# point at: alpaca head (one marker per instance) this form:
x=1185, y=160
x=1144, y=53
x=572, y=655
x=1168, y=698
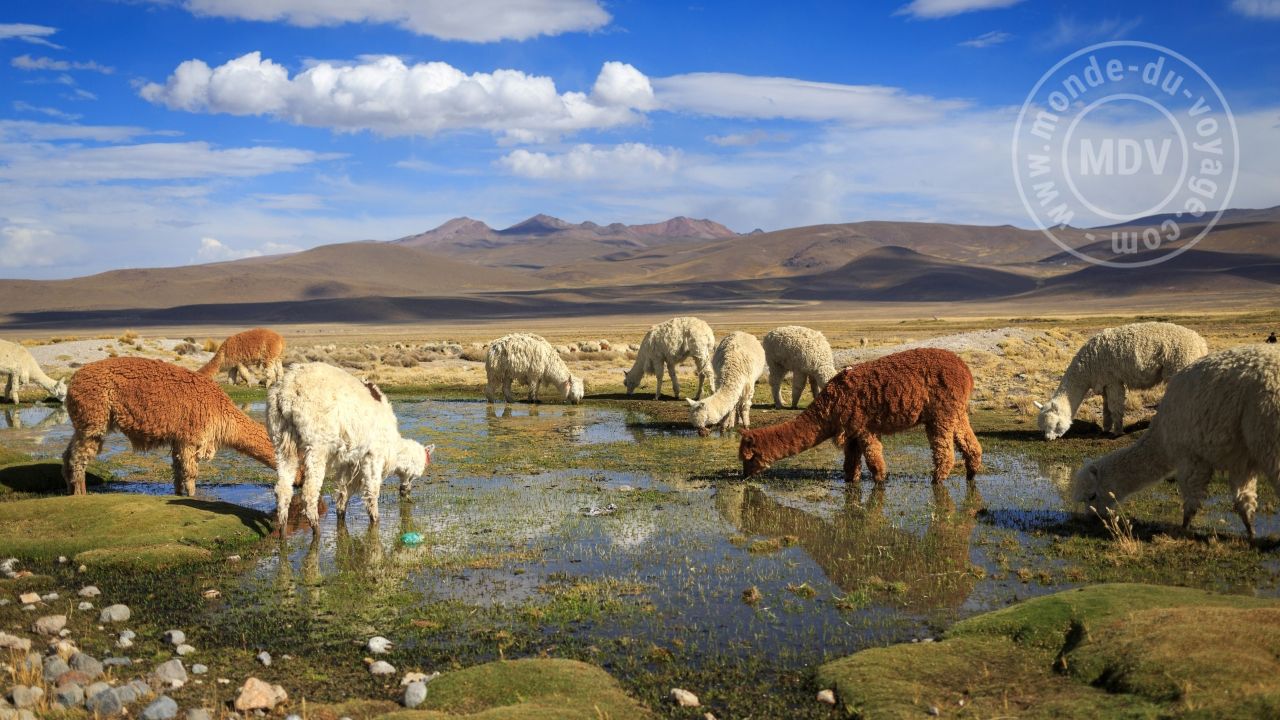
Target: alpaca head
x=752, y=462
x=1055, y=418
x=411, y=461
x=1091, y=486
x=700, y=416
x=631, y=381
x=573, y=390
x=59, y=391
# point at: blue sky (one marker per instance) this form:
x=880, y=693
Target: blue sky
x=176, y=131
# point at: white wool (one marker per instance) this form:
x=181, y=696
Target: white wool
x=325, y=419
x=531, y=360
x=801, y=351
x=738, y=363
x=21, y=368
x=1220, y=414
x=666, y=345
x=1129, y=357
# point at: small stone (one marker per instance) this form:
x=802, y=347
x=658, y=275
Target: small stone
x=117, y=662
x=143, y=689
x=258, y=695
x=292, y=717
x=223, y=681
x=114, y=614
x=379, y=645
x=96, y=688
x=105, y=703
x=934, y=711
x=382, y=667
x=49, y=624
x=124, y=643
x=171, y=673
x=162, y=708
x=49, y=597
x=13, y=642
x=62, y=559
x=684, y=698
x=199, y=669
x=53, y=667
x=185, y=649
x=69, y=694
x=126, y=694
x=175, y=637
x=415, y=693
x=233, y=558
x=211, y=594
x=73, y=677
x=89, y=591
x=86, y=664
x=25, y=697
x=65, y=648
x=827, y=696
x=8, y=566
x=84, y=605
x=83, y=568
x=198, y=714
x=264, y=657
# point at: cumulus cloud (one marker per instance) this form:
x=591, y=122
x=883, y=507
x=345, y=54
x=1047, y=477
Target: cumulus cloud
x=995, y=37
x=34, y=34
x=214, y=250
x=589, y=162
x=1269, y=9
x=933, y=9
x=27, y=245
x=475, y=21
x=43, y=163
x=26, y=62
x=387, y=96
x=747, y=139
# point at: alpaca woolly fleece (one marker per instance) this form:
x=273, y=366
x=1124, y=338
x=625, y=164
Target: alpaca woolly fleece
x=1128, y=357
x=531, y=360
x=17, y=362
x=880, y=397
x=738, y=363
x=259, y=347
x=668, y=344
x=323, y=418
x=801, y=351
x=156, y=404
x=1222, y=413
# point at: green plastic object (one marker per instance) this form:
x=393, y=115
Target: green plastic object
x=411, y=538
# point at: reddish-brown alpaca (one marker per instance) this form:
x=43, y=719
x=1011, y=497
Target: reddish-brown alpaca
x=258, y=346
x=927, y=387
x=156, y=404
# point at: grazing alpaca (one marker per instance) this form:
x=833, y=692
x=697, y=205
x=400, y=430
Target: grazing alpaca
x=531, y=359
x=1137, y=356
x=1221, y=413
x=802, y=352
x=259, y=346
x=666, y=345
x=322, y=417
x=17, y=363
x=885, y=396
x=155, y=404
x=738, y=363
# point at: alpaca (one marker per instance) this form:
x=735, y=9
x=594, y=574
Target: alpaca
x=320, y=417
x=155, y=404
x=17, y=363
x=1221, y=413
x=668, y=344
x=738, y=363
x=885, y=396
x=804, y=353
x=532, y=360
x=1136, y=356
x=258, y=346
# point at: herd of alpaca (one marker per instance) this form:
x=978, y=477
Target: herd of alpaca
x=1220, y=412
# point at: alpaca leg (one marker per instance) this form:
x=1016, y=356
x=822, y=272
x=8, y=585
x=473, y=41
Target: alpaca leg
x=815, y=387
x=506, y=390
x=744, y=406
x=658, y=369
x=342, y=483
x=797, y=388
x=79, y=452
x=535, y=387
x=675, y=382
x=1193, y=485
x=185, y=469
x=944, y=450
x=288, y=472
x=1113, y=397
x=853, y=450
x=702, y=379
x=1245, y=488
x=776, y=376
x=245, y=376
x=313, y=470
x=970, y=448
x=873, y=451
x=11, y=389
x=371, y=476
x=489, y=388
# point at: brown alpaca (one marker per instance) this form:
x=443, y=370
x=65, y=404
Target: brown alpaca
x=880, y=397
x=259, y=346
x=156, y=404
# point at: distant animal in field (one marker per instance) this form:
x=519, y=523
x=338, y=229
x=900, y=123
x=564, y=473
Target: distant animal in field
x=804, y=353
x=1128, y=357
x=1222, y=413
x=668, y=344
x=928, y=386
x=258, y=347
x=156, y=404
x=21, y=368
x=321, y=419
x=531, y=360
x=738, y=363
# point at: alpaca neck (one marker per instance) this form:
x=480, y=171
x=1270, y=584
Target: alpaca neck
x=37, y=376
x=1073, y=388
x=790, y=438
x=725, y=398
x=214, y=365
x=244, y=435
x=1137, y=466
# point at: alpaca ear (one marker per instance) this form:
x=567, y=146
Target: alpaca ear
x=429, y=449
x=1039, y=405
x=692, y=403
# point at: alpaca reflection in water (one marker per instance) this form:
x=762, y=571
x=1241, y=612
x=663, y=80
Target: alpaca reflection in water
x=860, y=549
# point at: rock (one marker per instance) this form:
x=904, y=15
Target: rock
x=65, y=648
x=49, y=624
x=114, y=614
x=684, y=698
x=258, y=695
x=292, y=717
x=89, y=591
x=199, y=669
x=53, y=667
x=415, y=693
x=84, y=605
x=382, y=667
x=73, y=676
x=124, y=643
x=9, y=566
x=83, y=568
x=379, y=645
x=62, y=559
x=162, y=708
x=69, y=694
x=264, y=657
x=105, y=703
x=143, y=689
x=175, y=637
x=170, y=673
x=86, y=664
x=127, y=694
x=13, y=642
x=117, y=662
x=198, y=714
x=212, y=594
x=96, y=689
x=49, y=597
x=25, y=697
x=185, y=649
x=827, y=696
x=128, y=634
x=934, y=711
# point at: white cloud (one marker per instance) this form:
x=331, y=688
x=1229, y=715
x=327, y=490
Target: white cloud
x=1269, y=9
x=34, y=34
x=22, y=106
x=28, y=245
x=622, y=163
x=214, y=250
x=43, y=163
x=750, y=96
x=987, y=39
x=289, y=201
x=747, y=139
x=26, y=62
x=475, y=21
x=388, y=97
x=932, y=9
x=1069, y=31
x=28, y=130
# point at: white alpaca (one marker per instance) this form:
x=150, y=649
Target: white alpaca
x=738, y=363
x=324, y=418
x=532, y=360
x=802, y=352
x=666, y=345
x=17, y=363
x=1129, y=357
x=1221, y=413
